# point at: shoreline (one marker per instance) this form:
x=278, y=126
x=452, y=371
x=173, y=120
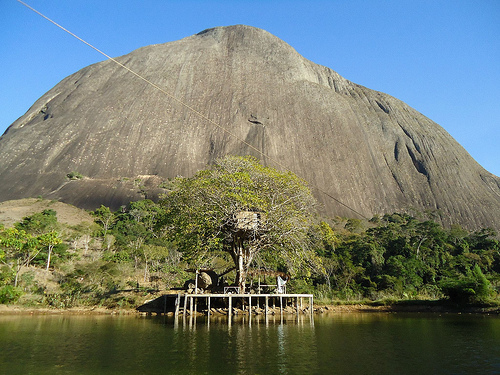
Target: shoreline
x=24, y=310
x=409, y=308
x=319, y=309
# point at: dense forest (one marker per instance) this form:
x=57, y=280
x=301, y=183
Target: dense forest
x=145, y=248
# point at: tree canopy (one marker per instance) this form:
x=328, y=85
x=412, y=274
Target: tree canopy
x=256, y=214
x=394, y=256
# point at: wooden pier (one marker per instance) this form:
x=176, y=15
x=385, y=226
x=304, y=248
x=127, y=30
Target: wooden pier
x=183, y=303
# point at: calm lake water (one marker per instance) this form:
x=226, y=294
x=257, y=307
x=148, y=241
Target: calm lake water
x=329, y=344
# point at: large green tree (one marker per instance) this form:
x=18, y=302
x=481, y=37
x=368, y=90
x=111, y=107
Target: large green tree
x=245, y=209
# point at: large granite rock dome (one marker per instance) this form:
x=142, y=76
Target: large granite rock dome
x=365, y=148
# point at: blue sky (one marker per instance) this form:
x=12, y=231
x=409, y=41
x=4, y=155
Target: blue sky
x=440, y=57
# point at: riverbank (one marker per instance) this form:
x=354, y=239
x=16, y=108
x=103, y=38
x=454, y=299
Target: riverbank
x=23, y=310
x=401, y=307
x=408, y=308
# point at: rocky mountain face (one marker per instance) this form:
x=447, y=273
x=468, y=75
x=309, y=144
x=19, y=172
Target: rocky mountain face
x=364, y=148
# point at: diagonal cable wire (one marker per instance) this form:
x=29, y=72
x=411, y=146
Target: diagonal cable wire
x=192, y=109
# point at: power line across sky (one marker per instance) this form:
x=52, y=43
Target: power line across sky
x=439, y=57
x=182, y=103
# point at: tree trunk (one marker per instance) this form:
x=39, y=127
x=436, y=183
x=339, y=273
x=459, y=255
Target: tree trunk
x=239, y=259
x=328, y=282
x=240, y=273
x=146, y=272
x=241, y=276
x=242, y=258
x=18, y=270
x=48, y=257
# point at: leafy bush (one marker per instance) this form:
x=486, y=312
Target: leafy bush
x=473, y=288
x=38, y=223
x=7, y=275
x=118, y=257
x=74, y=175
x=300, y=286
x=9, y=294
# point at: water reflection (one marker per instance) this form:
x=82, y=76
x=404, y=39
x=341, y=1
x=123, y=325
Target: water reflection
x=243, y=344
x=334, y=344
x=193, y=321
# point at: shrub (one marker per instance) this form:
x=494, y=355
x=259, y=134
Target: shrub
x=74, y=175
x=117, y=257
x=473, y=288
x=7, y=275
x=300, y=286
x=9, y=294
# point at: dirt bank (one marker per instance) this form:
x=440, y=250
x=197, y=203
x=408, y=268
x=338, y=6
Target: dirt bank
x=318, y=309
x=410, y=308
x=21, y=310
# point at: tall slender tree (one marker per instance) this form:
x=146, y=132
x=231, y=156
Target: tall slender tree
x=49, y=240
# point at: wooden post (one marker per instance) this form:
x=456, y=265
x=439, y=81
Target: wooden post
x=230, y=311
x=208, y=303
x=176, y=321
x=190, y=305
x=177, y=304
x=195, y=292
x=281, y=305
x=185, y=304
x=297, y=305
x=266, y=307
x=311, y=305
x=196, y=282
x=250, y=309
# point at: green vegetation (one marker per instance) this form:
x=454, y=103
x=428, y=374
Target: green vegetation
x=241, y=215
x=256, y=215
x=400, y=256
x=74, y=175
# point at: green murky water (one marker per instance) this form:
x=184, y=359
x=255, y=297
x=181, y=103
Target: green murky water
x=330, y=344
